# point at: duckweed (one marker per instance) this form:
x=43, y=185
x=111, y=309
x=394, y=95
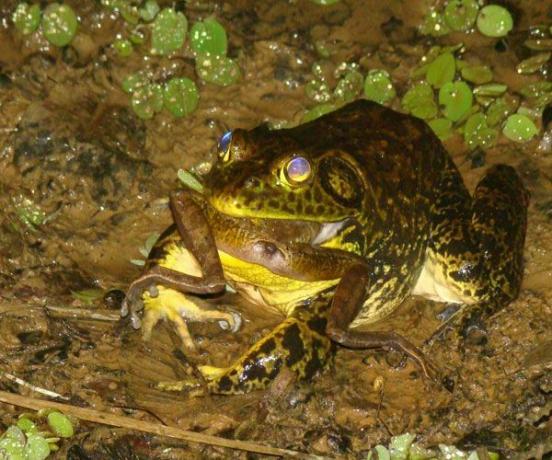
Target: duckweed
x=180, y=96
x=149, y=10
x=456, y=99
x=441, y=70
x=490, y=89
x=59, y=24
x=26, y=18
x=533, y=64
x=219, y=70
x=478, y=74
x=378, y=86
x=36, y=447
x=349, y=86
x=442, y=127
x=147, y=100
x=460, y=15
x=123, y=47
x=477, y=133
x=190, y=180
x=500, y=108
x=317, y=111
x=434, y=24
x=419, y=101
x=168, y=31
x=318, y=90
x=494, y=21
x=519, y=128
x=208, y=37
x=60, y=425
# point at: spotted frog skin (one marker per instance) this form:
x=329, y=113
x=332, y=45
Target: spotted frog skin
x=334, y=223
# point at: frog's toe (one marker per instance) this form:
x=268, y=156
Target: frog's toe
x=232, y=322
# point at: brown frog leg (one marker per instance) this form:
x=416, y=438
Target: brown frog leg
x=346, y=304
x=196, y=236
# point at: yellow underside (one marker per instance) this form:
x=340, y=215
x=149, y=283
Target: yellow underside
x=254, y=281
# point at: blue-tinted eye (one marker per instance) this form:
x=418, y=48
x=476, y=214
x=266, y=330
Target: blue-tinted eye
x=298, y=169
x=224, y=141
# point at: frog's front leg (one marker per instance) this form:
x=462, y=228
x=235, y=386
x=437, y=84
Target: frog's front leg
x=347, y=301
x=303, y=342
x=194, y=268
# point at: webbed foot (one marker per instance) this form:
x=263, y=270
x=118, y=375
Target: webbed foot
x=179, y=308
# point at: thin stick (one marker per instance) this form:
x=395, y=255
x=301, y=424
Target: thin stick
x=82, y=313
x=140, y=425
x=32, y=387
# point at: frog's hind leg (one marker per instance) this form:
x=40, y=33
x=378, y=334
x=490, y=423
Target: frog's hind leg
x=298, y=344
x=477, y=244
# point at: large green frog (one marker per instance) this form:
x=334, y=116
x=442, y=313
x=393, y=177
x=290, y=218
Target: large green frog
x=334, y=222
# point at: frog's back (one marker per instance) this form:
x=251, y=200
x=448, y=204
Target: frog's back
x=401, y=166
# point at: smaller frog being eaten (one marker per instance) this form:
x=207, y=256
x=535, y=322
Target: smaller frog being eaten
x=334, y=223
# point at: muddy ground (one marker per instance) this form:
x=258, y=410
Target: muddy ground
x=71, y=146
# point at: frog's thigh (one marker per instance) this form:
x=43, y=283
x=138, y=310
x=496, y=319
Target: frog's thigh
x=177, y=307
x=476, y=247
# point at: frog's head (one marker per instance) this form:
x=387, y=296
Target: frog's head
x=285, y=174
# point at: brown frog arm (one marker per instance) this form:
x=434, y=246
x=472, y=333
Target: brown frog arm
x=346, y=304
x=196, y=236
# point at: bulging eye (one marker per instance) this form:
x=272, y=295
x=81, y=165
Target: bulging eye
x=297, y=170
x=224, y=145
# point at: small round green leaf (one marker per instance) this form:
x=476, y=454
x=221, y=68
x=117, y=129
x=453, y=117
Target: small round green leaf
x=494, y=21
x=123, y=47
x=149, y=10
x=59, y=24
x=478, y=74
x=456, y=99
x=378, y=86
x=349, y=86
x=134, y=81
x=26, y=425
x=318, y=90
x=460, y=15
x=180, y=96
x=442, y=127
x=419, y=101
x=519, y=128
x=147, y=100
x=60, y=425
x=490, y=89
x=317, y=111
x=441, y=70
x=209, y=37
x=434, y=24
x=219, y=70
x=168, y=31
x=26, y=18
x=37, y=448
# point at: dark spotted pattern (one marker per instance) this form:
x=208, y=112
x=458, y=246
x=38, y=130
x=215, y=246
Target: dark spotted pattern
x=405, y=204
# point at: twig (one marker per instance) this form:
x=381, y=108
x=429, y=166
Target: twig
x=82, y=313
x=32, y=387
x=106, y=418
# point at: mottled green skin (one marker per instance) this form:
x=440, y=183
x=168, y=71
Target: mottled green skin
x=406, y=207
x=401, y=189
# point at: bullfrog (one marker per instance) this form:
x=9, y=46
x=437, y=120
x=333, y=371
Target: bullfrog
x=334, y=223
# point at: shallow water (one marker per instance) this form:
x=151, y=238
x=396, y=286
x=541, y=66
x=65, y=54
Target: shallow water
x=70, y=144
